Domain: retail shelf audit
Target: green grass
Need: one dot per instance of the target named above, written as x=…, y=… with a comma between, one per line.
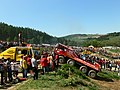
x=115, y=50
x=105, y=74
x=51, y=82
x=68, y=79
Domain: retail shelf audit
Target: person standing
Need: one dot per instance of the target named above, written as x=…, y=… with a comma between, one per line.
x=21, y=61
x=118, y=67
x=34, y=67
x=9, y=70
x=50, y=62
x=5, y=70
x=56, y=60
x=14, y=68
x=44, y=64
x=24, y=67
x=110, y=65
x=28, y=58
x=1, y=71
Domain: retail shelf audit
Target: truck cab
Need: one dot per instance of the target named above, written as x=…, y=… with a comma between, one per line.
x=15, y=53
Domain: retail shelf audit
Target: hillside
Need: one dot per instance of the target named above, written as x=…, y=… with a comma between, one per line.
x=81, y=37
x=10, y=33
x=110, y=39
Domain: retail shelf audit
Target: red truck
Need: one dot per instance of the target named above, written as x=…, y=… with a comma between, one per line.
x=69, y=56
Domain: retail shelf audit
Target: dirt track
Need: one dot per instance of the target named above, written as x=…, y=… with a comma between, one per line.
x=108, y=85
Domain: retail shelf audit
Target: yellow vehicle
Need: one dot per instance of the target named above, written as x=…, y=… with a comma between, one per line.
x=15, y=53
x=86, y=52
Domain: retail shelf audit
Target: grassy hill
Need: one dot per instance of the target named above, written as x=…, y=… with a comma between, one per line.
x=110, y=39
x=81, y=37
x=69, y=78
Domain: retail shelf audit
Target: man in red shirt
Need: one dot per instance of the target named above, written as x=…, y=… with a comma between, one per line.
x=28, y=58
x=44, y=63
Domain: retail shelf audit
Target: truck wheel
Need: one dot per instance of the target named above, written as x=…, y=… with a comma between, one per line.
x=83, y=69
x=71, y=62
x=61, y=59
x=92, y=73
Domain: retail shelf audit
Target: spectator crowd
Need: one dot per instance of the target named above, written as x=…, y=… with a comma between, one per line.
x=47, y=62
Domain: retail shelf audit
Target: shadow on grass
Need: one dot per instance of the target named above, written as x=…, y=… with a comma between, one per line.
x=5, y=86
x=104, y=79
x=8, y=85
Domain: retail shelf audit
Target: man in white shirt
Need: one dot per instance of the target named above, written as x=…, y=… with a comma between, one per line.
x=34, y=67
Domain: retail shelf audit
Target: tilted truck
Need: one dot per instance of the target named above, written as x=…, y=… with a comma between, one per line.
x=15, y=53
x=68, y=55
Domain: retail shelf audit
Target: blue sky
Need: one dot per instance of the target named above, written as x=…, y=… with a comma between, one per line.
x=63, y=17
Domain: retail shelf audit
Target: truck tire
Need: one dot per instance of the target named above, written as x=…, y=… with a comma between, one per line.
x=92, y=73
x=71, y=62
x=83, y=69
x=61, y=60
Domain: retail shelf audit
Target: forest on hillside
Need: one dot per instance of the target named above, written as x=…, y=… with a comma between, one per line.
x=10, y=33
